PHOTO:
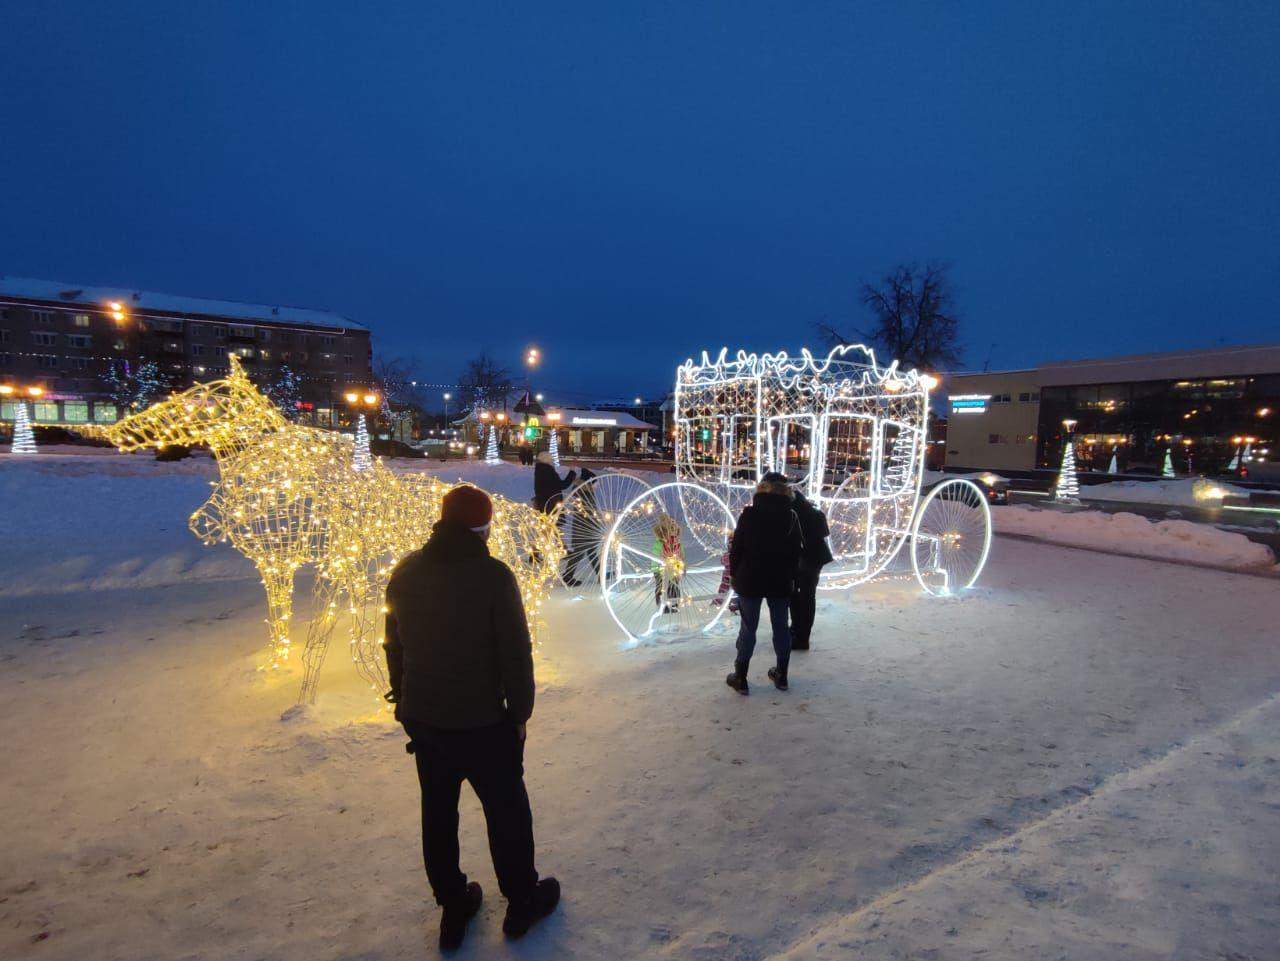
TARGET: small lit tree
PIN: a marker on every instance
(362, 457)
(24, 439)
(491, 449)
(1068, 489)
(286, 393)
(553, 447)
(1168, 464)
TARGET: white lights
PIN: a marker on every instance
(594, 421)
(24, 439)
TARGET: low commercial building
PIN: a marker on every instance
(63, 340)
(1206, 412)
(582, 431)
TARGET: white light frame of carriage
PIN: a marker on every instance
(832, 379)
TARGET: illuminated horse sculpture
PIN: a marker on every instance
(290, 496)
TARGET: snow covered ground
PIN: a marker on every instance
(1175, 492)
(1076, 760)
(1125, 533)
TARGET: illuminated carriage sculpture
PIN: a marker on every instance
(848, 433)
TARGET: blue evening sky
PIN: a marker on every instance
(628, 183)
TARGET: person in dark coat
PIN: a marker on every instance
(549, 486)
(815, 555)
(584, 538)
(763, 557)
(461, 669)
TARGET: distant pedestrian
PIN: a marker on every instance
(584, 536)
(548, 485)
(763, 557)
(815, 555)
(461, 668)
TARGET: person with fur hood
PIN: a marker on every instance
(549, 486)
(763, 558)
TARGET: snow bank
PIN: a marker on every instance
(1132, 534)
(1176, 492)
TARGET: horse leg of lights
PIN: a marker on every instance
(278, 581)
(319, 634)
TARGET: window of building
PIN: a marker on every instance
(1024, 397)
(75, 411)
(80, 340)
(117, 344)
(6, 360)
(264, 334)
(347, 360)
(219, 330)
(246, 352)
(219, 351)
(4, 337)
(42, 316)
(326, 341)
(44, 338)
(78, 363)
(197, 350)
(304, 357)
(80, 320)
(46, 410)
(105, 413)
(46, 361)
(264, 353)
(326, 358)
(241, 330)
(8, 411)
(993, 438)
(285, 355)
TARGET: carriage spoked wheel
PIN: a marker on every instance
(950, 537)
(584, 515)
(662, 564)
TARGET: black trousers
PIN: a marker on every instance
(492, 760)
(804, 605)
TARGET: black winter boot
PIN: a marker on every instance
(779, 678)
(453, 922)
(738, 679)
(521, 915)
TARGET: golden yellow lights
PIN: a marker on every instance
(288, 497)
(6, 389)
(116, 310)
(532, 356)
(351, 396)
(35, 391)
(928, 381)
(370, 399)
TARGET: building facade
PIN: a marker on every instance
(64, 340)
(1206, 412)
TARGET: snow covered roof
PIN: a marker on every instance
(54, 291)
(576, 419)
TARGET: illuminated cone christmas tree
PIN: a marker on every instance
(1168, 463)
(1113, 468)
(24, 441)
(362, 458)
(491, 449)
(553, 447)
(1068, 488)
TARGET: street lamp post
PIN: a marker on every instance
(447, 397)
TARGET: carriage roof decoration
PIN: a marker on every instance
(848, 433)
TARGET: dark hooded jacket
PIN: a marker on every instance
(766, 547)
(814, 530)
(457, 642)
(547, 485)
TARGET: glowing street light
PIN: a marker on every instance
(532, 357)
(116, 309)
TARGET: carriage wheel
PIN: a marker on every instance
(950, 537)
(584, 516)
(650, 592)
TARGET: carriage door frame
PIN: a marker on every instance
(807, 420)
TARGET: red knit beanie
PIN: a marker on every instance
(467, 506)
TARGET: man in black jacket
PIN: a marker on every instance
(461, 668)
(762, 565)
(548, 485)
(815, 556)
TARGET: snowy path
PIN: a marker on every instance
(1077, 760)
(158, 808)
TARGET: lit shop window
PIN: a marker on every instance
(75, 411)
(105, 413)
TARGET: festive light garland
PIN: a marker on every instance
(290, 496)
(1068, 487)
